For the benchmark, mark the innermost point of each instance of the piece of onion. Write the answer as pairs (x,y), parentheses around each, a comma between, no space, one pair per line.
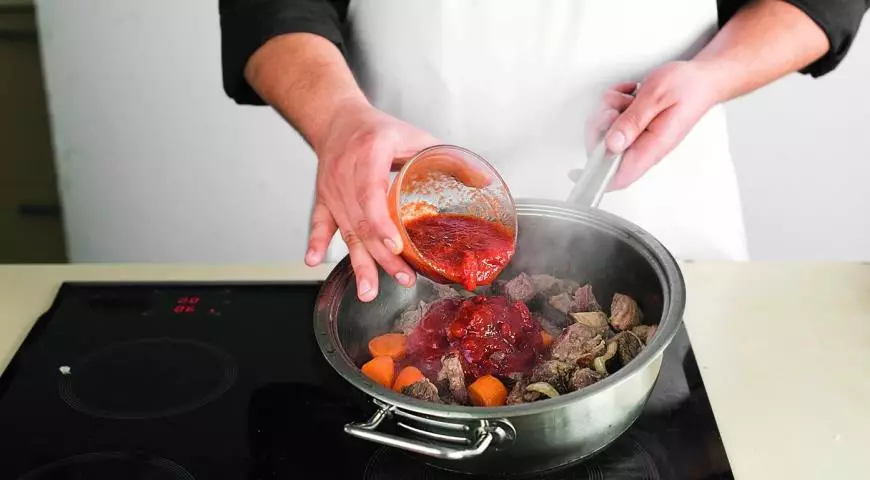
(591,319)
(543,388)
(600,363)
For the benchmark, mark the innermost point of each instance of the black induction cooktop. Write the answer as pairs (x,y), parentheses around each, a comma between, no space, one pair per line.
(225,381)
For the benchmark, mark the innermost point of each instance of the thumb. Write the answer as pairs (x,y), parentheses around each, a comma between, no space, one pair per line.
(633,121)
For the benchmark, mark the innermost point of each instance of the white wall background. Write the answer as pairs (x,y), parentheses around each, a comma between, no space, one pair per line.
(802,150)
(156,164)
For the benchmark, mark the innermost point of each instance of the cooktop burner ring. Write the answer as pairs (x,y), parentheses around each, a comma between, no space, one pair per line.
(628,457)
(100,465)
(388,463)
(147,378)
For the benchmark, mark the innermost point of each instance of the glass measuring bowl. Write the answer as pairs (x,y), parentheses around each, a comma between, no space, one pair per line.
(447,179)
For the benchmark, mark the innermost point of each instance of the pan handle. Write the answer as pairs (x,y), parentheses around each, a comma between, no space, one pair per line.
(476,438)
(595,177)
(597,174)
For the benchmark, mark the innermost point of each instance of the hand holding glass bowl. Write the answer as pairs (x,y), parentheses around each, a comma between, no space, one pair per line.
(455,215)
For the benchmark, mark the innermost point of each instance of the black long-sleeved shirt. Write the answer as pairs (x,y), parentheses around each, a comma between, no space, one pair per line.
(248,24)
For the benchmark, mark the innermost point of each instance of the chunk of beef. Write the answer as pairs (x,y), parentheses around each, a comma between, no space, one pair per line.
(545,284)
(583,377)
(446,396)
(629,346)
(511,382)
(591,319)
(572,343)
(515,396)
(554,372)
(409,319)
(520,289)
(453,377)
(423,390)
(562,302)
(584,300)
(645,332)
(548,285)
(592,349)
(510,379)
(440,291)
(568,286)
(624,312)
(553,311)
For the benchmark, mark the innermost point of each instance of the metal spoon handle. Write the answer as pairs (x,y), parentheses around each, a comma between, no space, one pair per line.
(595,177)
(599,171)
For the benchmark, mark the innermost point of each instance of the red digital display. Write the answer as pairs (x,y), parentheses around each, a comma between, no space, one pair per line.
(191,304)
(186,305)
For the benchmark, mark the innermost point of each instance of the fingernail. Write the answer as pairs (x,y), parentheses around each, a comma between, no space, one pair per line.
(312,257)
(393,245)
(616,141)
(364,288)
(403,278)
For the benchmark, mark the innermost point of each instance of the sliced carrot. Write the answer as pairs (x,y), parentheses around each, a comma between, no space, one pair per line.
(381,370)
(487,391)
(393,345)
(408,376)
(546,338)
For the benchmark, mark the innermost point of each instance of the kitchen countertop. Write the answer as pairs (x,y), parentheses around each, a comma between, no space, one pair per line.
(783,348)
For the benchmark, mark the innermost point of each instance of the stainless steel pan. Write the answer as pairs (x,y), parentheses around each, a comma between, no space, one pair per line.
(585,244)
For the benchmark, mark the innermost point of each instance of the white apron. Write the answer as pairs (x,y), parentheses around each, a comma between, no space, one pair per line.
(515,81)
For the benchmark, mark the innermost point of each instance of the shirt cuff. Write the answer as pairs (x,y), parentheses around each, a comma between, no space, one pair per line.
(246,30)
(838,27)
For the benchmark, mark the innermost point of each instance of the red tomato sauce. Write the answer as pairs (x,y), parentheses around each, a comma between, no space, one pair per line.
(492,335)
(464,249)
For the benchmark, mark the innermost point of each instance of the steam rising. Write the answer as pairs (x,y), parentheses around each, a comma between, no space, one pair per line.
(562,248)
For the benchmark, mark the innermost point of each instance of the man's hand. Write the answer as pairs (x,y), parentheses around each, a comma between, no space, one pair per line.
(649,125)
(353,177)
(764,41)
(306,79)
